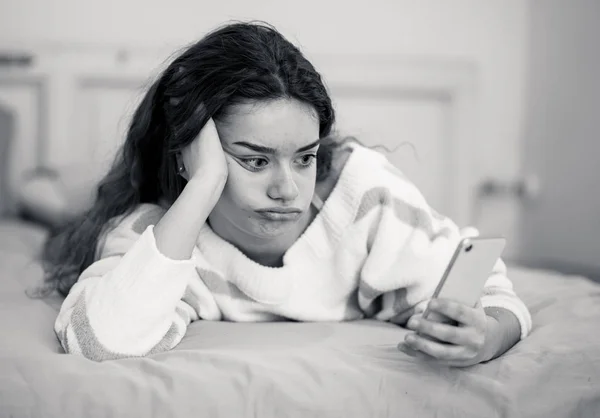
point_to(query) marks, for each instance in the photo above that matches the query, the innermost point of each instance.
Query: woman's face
(270, 148)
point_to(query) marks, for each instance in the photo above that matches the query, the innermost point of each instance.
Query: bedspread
(288, 369)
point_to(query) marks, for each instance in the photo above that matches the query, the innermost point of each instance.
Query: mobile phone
(466, 274)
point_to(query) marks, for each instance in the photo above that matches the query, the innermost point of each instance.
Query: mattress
(289, 369)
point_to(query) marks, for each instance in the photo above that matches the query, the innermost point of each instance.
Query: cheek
(306, 181)
(242, 188)
(247, 190)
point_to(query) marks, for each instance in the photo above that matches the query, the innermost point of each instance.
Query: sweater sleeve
(409, 246)
(129, 303)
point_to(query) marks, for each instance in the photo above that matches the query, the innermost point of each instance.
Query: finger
(466, 336)
(454, 310)
(402, 346)
(413, 320)
(432, 360)
(405, 348)
(401, 318)
(438, 350)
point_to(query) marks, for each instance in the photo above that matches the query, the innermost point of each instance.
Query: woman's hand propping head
(204, 157)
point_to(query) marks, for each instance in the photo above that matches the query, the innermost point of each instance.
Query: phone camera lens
(469, 248)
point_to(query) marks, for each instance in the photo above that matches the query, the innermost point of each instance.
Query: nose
(283, 187)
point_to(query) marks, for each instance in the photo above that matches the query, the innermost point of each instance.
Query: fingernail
(405, 350)
(410, 338)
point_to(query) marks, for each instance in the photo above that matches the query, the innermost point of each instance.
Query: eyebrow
(269, 150)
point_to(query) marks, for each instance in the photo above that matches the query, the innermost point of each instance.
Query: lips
(280, 214)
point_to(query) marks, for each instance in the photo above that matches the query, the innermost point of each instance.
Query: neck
(274, 259)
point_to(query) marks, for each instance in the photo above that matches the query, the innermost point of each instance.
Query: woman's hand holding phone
(467, 342)
(455, 330)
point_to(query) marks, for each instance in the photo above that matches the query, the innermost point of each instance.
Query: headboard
(72, 105)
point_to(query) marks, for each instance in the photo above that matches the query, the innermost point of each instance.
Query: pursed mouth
(280, 214)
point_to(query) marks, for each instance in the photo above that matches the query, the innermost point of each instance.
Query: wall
(491, 34)
(562, 137)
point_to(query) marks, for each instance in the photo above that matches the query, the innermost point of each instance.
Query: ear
(181, 166)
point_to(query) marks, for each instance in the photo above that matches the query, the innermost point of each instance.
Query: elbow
(102, 334)
(82, 342)
(79, 337)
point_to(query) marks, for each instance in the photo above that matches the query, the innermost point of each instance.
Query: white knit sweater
(375, 249)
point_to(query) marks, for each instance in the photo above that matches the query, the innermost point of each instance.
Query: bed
(282, 369)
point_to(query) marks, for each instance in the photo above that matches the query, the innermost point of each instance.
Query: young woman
(231, 200)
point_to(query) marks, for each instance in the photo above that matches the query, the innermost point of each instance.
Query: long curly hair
(232, 64)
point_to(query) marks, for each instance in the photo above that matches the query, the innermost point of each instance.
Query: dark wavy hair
(235, 63)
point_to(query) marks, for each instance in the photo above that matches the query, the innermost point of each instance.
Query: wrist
(209, 174)
(492, 345)
(208, 183)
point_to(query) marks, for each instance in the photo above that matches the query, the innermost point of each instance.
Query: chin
(271, 229)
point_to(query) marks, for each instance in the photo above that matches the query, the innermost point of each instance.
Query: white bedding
(297, 369)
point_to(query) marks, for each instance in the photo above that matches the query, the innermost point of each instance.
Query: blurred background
(491, 107)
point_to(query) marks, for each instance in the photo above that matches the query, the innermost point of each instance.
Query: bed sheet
(291, 369)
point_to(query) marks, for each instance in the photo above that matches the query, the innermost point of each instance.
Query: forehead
(283, 124)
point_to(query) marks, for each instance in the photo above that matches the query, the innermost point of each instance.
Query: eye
(255, 164)
(307, 160)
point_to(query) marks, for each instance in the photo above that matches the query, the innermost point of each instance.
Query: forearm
(178, 229)
(502, 333)
(125, 306)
